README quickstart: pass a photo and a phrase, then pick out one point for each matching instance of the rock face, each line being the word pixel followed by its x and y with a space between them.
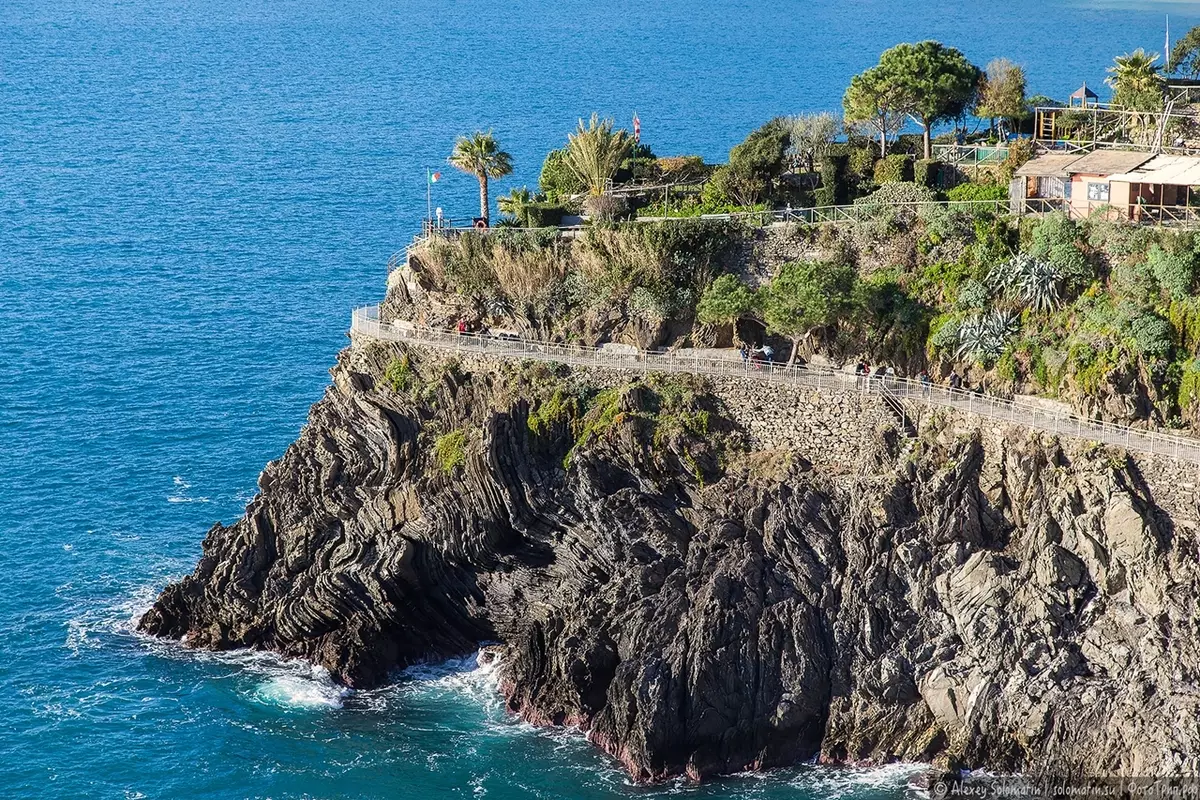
pixel 699 608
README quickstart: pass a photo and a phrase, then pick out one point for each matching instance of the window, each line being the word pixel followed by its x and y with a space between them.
pixel 1098 192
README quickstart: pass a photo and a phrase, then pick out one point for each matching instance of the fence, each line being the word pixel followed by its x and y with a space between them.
pixel 971 156
pixel 859 212
pixel 366 321
pixel 1100 125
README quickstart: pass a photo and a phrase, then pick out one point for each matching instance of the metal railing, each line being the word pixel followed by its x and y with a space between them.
pixel 971 156
pixel 365 321
pixel 860 212
pixel 1099 125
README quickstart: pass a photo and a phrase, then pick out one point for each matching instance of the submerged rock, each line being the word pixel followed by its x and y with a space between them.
pixel 698 608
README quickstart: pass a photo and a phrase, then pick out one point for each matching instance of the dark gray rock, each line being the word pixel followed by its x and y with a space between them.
pixel 701 610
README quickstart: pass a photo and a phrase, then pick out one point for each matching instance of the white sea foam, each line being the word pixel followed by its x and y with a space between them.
pixel 471 677
pixel 181 496
pixel 837 782
pixel 298 687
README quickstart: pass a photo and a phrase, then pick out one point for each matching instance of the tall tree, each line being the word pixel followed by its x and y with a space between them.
pixel 480 155
pixel 804 297
pixel 811 136
pixel 725 301
pixel 875 104
pixel 1002 91
pixel 1136 81
pixel 1185 55
pixel 596 151
pixel 937 83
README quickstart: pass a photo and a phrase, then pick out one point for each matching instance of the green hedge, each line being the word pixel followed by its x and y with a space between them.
pixel 927 172
pixel 834 189
pixel 978 191
pixel 542 215
pixel 894 168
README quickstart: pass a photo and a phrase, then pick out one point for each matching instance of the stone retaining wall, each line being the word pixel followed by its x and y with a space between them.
pixel 830 427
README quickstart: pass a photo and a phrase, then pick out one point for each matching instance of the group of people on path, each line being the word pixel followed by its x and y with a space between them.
pixel 885 376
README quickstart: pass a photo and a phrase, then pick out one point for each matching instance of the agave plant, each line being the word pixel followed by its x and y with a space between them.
pixel 982 337
pixel 1032 281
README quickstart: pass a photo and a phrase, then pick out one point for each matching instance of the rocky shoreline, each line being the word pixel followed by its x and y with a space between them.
pixel 700 605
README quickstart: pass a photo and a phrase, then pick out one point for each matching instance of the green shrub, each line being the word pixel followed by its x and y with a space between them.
pixel 1189 384
pixel 943 334
pixel 1175 272
pixel 398 374
pixel 733 185
pixel 833 179
pixel 1055 240
pixel 824 196
pixel 557 180
pixel 894 169
pixel 1006 367
pixel 971 192
pixel 927 172
pixel 1185 319
pixel 761 155
pixel 892 193
pixel 543 214
pixel 861 161
pixel 972 295
pixel 1151 335
pixel 450 450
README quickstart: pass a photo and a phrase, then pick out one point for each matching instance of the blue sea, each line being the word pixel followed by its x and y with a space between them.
pixel 193 195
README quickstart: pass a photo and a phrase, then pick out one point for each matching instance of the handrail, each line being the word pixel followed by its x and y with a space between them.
pixel 365 321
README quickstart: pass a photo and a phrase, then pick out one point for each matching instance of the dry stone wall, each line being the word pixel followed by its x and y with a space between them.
pixel 830 428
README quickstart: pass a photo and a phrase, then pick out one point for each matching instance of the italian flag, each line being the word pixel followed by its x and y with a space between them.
pixel 434 177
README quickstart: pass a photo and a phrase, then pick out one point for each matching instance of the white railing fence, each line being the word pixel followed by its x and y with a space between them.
pixel 366 321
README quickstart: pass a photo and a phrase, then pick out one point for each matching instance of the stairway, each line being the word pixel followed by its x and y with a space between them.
pixel 896 406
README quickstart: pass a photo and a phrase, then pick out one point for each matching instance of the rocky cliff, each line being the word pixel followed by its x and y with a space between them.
pixel 698 606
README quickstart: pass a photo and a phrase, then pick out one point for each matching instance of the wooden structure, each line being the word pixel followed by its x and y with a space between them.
pixel 1123 184
pixel 1042 184
pixel 1161 189
pixel 1092 186
pixel 1083 97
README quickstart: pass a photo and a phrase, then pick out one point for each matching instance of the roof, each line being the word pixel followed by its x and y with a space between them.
pixel 1108 162
pixel 1171 170
pixel 1084 91
pixel 1048 165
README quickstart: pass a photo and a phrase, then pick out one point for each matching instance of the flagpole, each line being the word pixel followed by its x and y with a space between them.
pixel 428 198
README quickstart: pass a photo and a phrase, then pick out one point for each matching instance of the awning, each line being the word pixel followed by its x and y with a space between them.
pixel 1108 162
pixel 1168 170
pixel 1051 165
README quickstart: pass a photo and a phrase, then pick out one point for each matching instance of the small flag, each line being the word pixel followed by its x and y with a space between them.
pixel 637 128
pixel 434 177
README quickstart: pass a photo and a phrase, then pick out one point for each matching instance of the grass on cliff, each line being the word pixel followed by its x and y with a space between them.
pixel 399 374
pixel 560 407
pixel 450 450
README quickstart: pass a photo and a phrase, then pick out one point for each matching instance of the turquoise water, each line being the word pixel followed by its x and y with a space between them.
pixel 192 197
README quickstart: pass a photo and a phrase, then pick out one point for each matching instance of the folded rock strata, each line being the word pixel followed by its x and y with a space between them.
pixel 995 600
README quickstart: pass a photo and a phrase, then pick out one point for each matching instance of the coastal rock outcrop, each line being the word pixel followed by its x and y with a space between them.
pixel 699 607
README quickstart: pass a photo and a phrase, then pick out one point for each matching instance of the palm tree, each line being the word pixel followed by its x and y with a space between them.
pixel 1136 81
pixel 595 152
pixel 514 201
pixel 480 155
